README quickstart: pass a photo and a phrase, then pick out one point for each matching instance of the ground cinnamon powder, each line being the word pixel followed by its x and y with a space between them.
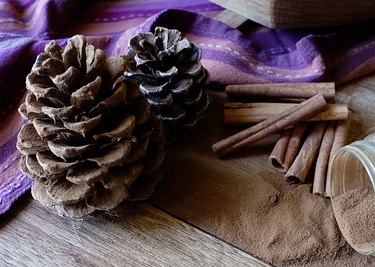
pixel 286 225
pixel 355 215
pixel 281 224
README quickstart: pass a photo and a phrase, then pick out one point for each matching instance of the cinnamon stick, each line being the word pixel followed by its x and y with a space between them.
pixel 322 160
pixel 278 153
pixel 284 152
pixel 287 118
pixel 251 113
pixel 294 145
pixel 307 155
pixel 341 137
pixel 282 90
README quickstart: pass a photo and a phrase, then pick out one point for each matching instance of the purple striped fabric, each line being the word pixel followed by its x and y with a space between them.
pixel 253 55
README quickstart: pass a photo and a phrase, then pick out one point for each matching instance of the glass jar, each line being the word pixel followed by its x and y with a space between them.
pixel 353 167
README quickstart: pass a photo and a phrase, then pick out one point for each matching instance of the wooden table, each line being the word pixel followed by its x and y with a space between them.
pixel 33 236
pixel 173 227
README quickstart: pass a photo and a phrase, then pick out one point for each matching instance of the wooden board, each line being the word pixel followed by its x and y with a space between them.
pixel 304 13
pixel 145 237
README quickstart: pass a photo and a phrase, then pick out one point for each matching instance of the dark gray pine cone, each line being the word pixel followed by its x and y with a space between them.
pixel 90 141
pixel 171 76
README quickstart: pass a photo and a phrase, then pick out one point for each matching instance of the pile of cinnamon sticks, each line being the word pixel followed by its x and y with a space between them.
pixel 310 128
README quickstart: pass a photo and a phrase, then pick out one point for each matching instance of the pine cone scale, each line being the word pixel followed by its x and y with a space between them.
pixel 85 96
pixel 65 192
pixel 114 155
pixel 124 175
pixel 31 167
pixel 39 192
pixel 112 101
pixel 60 113
pixel 86 173
pixel 95 62
pixel 67 152
pixel 33 106
pixel 53 50
pixel 53 164
pixel 107 200
pixel 77 210
pixel 74 53
pixel 138 150
pixel 85 126
pixel 182 86
pixel 123 129
pixel 30 142
pixel 67 80
pixel 46 127
pixel 149 88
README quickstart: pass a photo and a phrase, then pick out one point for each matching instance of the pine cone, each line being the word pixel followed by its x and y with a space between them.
pixel 90 142
pixel 171 76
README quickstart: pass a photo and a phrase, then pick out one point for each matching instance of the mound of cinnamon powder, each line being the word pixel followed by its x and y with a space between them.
pixel 355 215
pixel 284 225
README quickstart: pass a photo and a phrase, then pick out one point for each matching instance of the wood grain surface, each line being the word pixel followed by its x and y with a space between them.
pixel 32 235
pixel 303 13
pixel 213 194
pixel 184 224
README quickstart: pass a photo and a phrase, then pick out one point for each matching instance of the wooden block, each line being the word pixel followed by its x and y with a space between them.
pixel 304 13
pixel 231 18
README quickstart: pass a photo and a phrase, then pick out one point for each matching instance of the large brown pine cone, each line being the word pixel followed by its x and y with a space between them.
pixel 171 76
pixel 90 141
